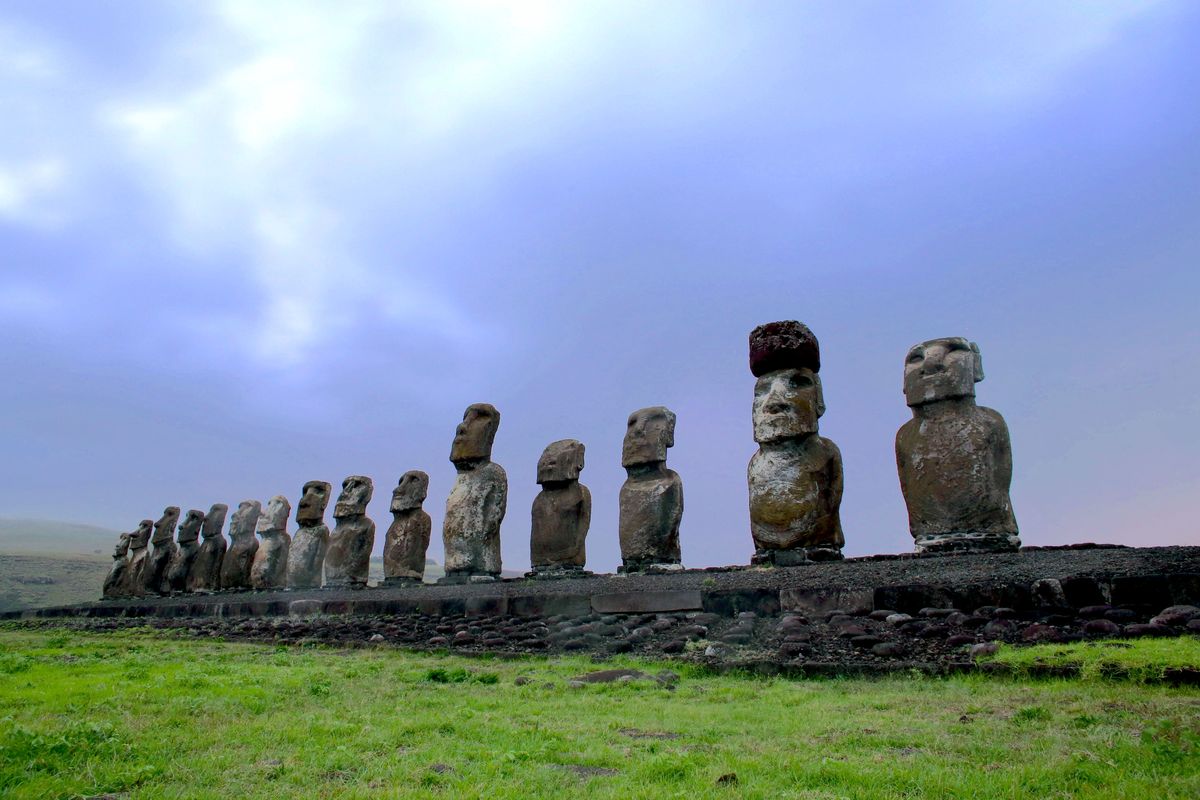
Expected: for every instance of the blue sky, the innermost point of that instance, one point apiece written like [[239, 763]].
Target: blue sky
[[244, 245]]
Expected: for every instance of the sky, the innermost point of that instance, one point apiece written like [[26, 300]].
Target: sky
[[245, 245]]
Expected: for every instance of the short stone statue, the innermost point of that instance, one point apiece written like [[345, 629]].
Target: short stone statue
[[135, 575], [652, 495], [187, 547], [795, 478], [269, 568], [562, 513], [205, 573], [114, 582], [306, 558], [243, 544], [954, 457], [408, 535], [162, 550], [476, 505], [348, 560]]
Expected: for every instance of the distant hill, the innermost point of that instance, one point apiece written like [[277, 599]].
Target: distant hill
[[49, 537]]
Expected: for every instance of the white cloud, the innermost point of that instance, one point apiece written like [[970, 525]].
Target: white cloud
[[27, 191]]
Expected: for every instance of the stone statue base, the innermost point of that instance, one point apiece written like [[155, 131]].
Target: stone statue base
[[554, 573], [649, 568], [343, 583], [456, 578], [402, 580], [795, 556], [968, 543]]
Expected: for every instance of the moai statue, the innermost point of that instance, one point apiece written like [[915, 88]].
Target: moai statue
[[348, 560], [795, 478], [161, 552], [114, 582], [205, 573], [243, 544], [408, 536], [562, 513], [954, 457], [652, 495], [269, 569], [186, 551], [306, 558], [135, 575], [476, 505]]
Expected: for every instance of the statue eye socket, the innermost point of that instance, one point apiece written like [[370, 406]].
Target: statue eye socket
[[803, 380], [914, 358]]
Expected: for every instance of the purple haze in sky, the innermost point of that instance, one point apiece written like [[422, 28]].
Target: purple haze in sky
[[247, 245]]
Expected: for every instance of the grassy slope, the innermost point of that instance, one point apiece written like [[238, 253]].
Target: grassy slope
[[33, 581], [161, 717]]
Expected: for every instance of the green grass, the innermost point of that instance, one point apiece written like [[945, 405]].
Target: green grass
[[1144, 660], [146, 715]]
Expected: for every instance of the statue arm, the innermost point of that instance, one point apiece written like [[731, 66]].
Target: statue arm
[[1001, 450], [836, 478], [585, 508]]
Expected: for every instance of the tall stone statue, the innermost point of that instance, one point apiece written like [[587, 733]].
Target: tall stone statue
[[652, 495], [269, 568], [954, 457], [795, 478], [185, 552], [348, 560], [408, 536], [306, 558], [243, 544], [114, 582], [135, 575], [205, 573], [562, 513], [161, 552], [476, 505]]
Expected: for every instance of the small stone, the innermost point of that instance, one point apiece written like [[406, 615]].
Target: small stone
[[1003, 612], [675, 646], [729, 638], [1037, 632], [865, 641], [998, 627], [960, 639], [378, 637], [715, 651], [887, 650], [880, 614], [438, 641], [522, 680], [667, 677], [934, 632], [897, 619], [793, 649], [728, 779], [1122, 615], [957, 618], [984, 649], [1101, 627], [576, 684], [851, 631], [936, 612], [1193, 625], [1138, 631], [1094, 612], [1176, 615]]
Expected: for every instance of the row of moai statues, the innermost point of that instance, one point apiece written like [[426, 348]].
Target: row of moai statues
[[954, 461]]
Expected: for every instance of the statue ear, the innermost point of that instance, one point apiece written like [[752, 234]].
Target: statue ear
[[820, 396], [978, 362]]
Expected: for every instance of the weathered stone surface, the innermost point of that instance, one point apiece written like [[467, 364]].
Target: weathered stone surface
[[652, 496], [954, 457], [269, 568], [205, 572], [239, 558], [114, 582], [162, 548], [407, 537], [348, 560], [562, 511], [306, 557], [647, 602], [187, 546], [826, 599], [795, 478], [476, 505], [135, 575]]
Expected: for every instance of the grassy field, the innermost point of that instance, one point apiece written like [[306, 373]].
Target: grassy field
[[144, 715]]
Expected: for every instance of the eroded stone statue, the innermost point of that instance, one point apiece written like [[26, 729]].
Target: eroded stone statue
[[187, 547], [135, 575], [652, 495], [205, 573], [269, 568], [348, 560], [162, 550], [306, 558], [243, 544], [114, 582], [795, 478], [476, 505], [408, 535], [562, 513], [954, 457]]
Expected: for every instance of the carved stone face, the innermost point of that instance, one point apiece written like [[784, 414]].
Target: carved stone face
[[141, 537], [189, 529], [275, 516], [356, 493], [314, 498], [245, 518], [474, 435], [122, 546], [164, 529], [411, 491], [787, 405], [214, 520], [941, 369], [561, 461], [648, 435]]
